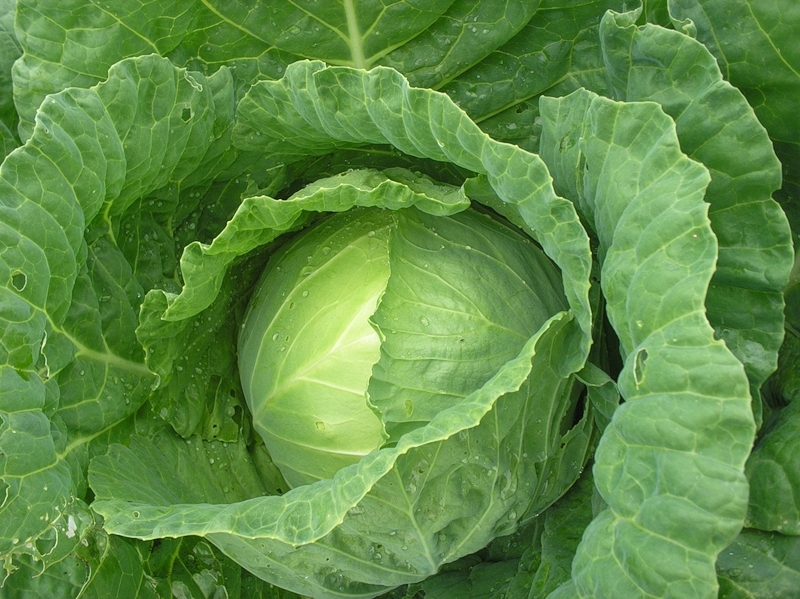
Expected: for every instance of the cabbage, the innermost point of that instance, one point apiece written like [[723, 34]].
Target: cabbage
[[144, 196], [329, 374]]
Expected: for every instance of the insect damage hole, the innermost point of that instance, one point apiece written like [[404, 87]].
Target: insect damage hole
[[638, 366], [19, 280]]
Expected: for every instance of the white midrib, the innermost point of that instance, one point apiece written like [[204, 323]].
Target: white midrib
[[354, 36]]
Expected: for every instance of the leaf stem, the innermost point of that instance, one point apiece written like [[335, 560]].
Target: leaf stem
[[354, 36]]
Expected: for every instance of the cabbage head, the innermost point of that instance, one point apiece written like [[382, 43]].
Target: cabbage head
[[371, 322]]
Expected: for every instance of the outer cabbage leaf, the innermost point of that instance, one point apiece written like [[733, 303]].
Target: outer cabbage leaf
[[558, 48], [394, 517], [774, 475], [461, 38], [754, 43], [670, 463], [772, 467], [528, 564], [717, 127], [75, 42], [759, 565], [566, 46], [72, 368]]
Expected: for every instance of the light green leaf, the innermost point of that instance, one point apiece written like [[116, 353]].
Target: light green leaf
[[684, 390], [716, 127], [261, 219]]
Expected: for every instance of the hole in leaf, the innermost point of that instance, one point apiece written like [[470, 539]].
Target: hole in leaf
[[46, 542], [638, 366], [19, 280], [186, 115]]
